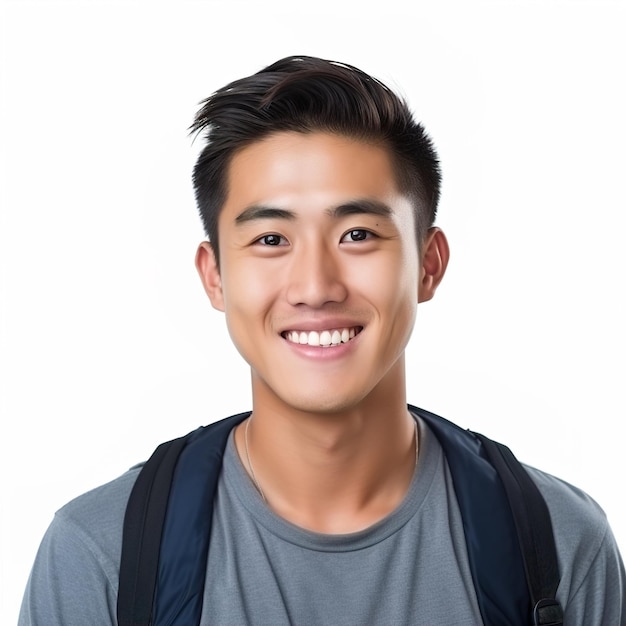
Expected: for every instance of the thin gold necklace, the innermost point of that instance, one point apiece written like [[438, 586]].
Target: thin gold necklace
[[252, 474]]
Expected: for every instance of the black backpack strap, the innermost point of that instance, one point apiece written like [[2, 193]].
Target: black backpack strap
[[510, 571], [167, 528], [143, 524], [534, 531]]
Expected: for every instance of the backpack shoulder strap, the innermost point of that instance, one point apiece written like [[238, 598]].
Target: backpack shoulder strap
[[165, 548], [510, 548], [143, 524], [534, 531]]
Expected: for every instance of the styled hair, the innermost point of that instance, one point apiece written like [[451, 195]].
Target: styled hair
[[306, 94]]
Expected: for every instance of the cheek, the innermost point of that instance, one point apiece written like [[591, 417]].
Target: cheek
[[247, 288], [397, 299], [392, 284], [248, 296]]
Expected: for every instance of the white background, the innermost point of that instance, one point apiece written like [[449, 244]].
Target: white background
[[108, 344]]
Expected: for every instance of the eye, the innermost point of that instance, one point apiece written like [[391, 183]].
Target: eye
[[271, 240], [358, 234]]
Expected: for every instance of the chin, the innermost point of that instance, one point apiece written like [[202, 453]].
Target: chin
[[321, 404], [318, 395]]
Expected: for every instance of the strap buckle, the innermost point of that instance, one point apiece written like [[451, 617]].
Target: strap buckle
[[548, 612]]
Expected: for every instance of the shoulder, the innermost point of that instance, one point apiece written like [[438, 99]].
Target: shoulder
[[92, 524], [74, 578], [112, 494], [99, 513], [593, 585], [574, 513]]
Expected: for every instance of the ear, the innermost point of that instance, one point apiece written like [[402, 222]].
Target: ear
[[206, 264], [435, 254]]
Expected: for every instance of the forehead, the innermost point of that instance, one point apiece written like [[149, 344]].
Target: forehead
[[310, 169]]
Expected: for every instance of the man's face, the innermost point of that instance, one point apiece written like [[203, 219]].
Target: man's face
[[319, 270]]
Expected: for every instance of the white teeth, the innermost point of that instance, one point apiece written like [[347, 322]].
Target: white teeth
[[325, 338]]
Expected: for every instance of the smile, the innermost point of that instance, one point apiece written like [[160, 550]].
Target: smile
[[324, 338]]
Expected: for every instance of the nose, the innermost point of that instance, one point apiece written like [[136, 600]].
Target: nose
[[315, 278]]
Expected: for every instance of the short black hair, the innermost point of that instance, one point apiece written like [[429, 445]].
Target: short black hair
[[307, 94]]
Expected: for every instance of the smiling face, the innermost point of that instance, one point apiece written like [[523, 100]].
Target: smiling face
[[319, 271]]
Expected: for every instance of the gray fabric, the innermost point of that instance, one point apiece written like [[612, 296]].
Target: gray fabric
[[410, 568], [74, 579], [264, 570]]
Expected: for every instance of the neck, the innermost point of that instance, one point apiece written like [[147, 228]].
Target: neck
[[333, 472]]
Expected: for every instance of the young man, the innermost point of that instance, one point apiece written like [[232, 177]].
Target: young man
[[335, 503]]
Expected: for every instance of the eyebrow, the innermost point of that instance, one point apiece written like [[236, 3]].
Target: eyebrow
[[263, 212], [354, 207], [361, 207]]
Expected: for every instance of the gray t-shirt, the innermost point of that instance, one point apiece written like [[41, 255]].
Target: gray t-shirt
[[401, 570], [409, 568]]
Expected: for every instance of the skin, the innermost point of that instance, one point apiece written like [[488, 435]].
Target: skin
[[315, 235]]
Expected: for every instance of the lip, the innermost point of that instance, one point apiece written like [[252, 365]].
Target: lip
[[328, 323], [323, 354]]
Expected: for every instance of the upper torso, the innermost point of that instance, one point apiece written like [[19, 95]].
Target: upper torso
[[411, 567]]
